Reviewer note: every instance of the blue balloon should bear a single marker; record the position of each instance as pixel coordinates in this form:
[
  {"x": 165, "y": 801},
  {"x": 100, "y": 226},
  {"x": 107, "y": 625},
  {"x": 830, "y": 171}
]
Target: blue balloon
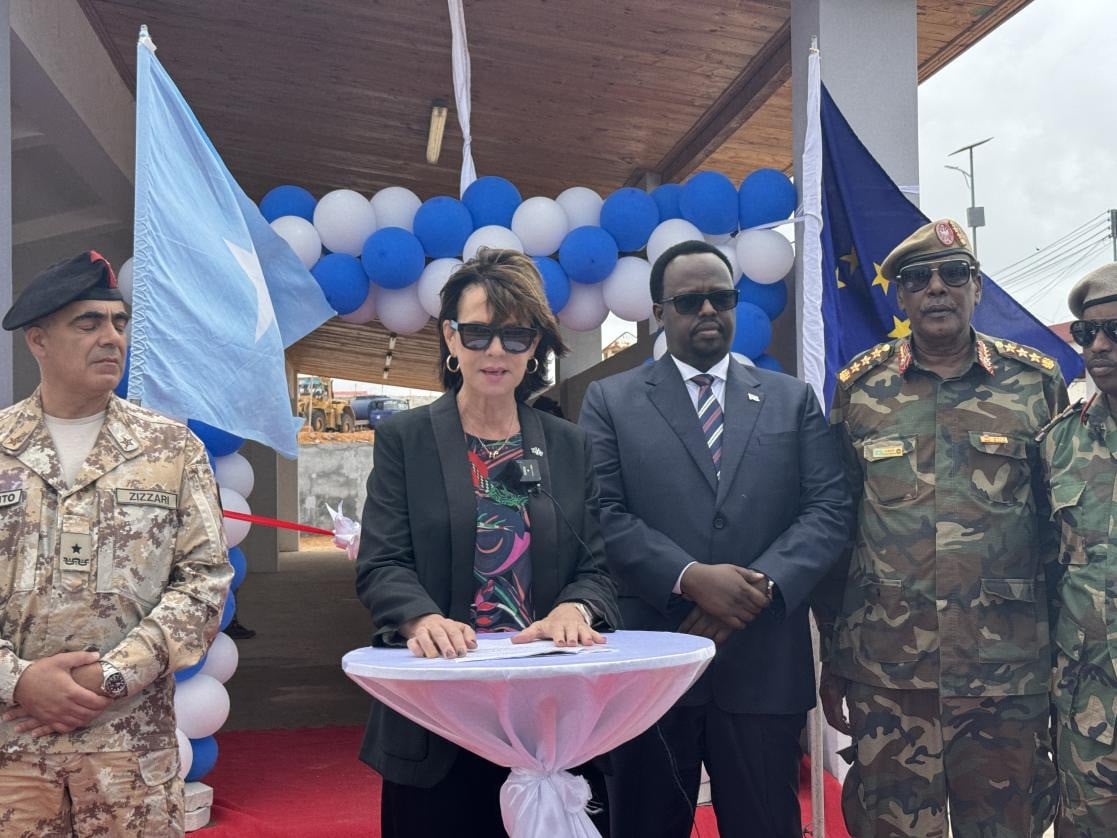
[
  {"x": 767, "y": 362},
  {"x": 771, "y": 298},
  {"x": 219, "y": 443},
  {"x": 342, "y": 280},
  {"x": 288, "y": 200},
  {"x": 442, "y": 225},
  {"x": 629, "y": 215},
  {"x": 393, "y": 258},
  {"x": 230, "y": 610},
  {"x": 666, "y": 199},
  {"x": 709, "y": 202},
  {"x": 588, "y": 254},
  {"x": 556, "y": 284},
  {"x": 240, "y": 567},
  {"x": 492, "y": 200},
  {"x": 205, "y": 757},
  {"x": 191, "y": 671},
  {"x": 121, "y": 388},
  {"x": 753, "y": 332},
  {"x": 765, "y": 196}
]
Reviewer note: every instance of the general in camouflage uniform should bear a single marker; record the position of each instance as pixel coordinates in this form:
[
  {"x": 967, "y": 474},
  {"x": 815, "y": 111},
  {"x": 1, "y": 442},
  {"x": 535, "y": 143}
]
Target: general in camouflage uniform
[
  {"x": 935, "y": 627},
  {"x": 110, "y": 579},
  {"x": 1080, "y": 452}
]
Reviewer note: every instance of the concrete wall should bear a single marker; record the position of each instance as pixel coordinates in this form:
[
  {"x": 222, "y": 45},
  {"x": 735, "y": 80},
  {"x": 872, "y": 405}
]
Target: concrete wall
[{"x": 330, "y": 473}]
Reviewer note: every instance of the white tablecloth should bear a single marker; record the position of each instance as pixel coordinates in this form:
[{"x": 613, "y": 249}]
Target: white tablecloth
[{"x": 539, "y": 716}]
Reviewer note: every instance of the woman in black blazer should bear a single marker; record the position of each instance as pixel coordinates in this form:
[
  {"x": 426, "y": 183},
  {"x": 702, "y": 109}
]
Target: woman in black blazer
[{"x": 453, "y": 541}]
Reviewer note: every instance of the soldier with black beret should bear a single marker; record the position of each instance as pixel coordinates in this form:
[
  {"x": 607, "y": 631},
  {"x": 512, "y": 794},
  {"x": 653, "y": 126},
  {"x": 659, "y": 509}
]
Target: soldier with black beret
[{"x": 113, "y": 574}]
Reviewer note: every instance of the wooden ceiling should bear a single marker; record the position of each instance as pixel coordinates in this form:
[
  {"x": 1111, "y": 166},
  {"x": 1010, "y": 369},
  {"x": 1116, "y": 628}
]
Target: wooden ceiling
[{"x": 334, "y": 93}]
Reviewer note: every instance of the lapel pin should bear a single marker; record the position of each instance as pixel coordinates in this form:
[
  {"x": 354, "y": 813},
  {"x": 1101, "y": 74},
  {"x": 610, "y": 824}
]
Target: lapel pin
[
  {"x": 537, "y": 451},
  {"x": 753, "y": 397}
]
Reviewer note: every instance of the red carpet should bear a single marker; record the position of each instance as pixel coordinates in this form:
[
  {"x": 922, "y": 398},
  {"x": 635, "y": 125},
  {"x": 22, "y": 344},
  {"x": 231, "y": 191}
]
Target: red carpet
[{"x": 308, "y": 783}]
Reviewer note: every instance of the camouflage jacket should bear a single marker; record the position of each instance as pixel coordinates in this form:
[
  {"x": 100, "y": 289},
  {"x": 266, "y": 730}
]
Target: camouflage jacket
[
  {"x": 129, "y": 561},
  {"x": 944, "y": 585},
  {"x": 1079, "y": 452}
]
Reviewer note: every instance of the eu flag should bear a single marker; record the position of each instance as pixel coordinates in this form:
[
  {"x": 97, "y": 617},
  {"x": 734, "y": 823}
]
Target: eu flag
[
  {"x": 866, "y": 215},
  {"x": 217, "y": 294}
]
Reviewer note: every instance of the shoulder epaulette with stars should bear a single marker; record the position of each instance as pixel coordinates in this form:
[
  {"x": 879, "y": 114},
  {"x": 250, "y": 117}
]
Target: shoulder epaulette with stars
[
  {"x": 1026, "y": 354},
  {"x": 864, "y": 362},
  {"x": 1077, "y": 407}
]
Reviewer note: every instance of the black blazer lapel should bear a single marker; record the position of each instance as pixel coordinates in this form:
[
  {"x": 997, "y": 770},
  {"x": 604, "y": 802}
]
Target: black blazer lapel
[
  {"x": 668, "y": 392},
  {"x": 461, "y": 502},
  {"x": 545, "y": 554},
  {"x": 744, "y": 399}
]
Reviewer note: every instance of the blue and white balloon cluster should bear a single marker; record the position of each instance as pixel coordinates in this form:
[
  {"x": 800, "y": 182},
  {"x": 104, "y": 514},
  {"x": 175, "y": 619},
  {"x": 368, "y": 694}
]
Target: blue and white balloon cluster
[
  {"x": 201, "y": 701},
  {"x": 389, "y": 256}
]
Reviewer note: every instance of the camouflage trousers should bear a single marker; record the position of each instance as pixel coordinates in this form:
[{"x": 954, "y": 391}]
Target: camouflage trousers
[
  {"x": 916, "y": 752},
  {"x": 122, "y": 793},
  {"x": 1087, "y": 786}
]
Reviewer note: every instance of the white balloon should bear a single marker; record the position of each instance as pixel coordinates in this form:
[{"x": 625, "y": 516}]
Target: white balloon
[
  {"x": 430, "y": 283},
  {"x": 491, "y": 235},
  {"x": 201, "y": 706},
  {"x": 586, "y": 309},
  {"x": 367, "y": 309},
  {"x": 124, "y": 278},
  {"x": 581, "y": 205},
  {"x": 235, "y": 472},
  {"x": 541, "y": 224},
  {"x": 302, "y": 236},
  {"x": 764, "y": 256},
  {"x": 395, "y": 206},
  {"x": 344, "y": 219},
  {"x": 626, "y": 290},
  {"x": 730, "y": 252},
  {"x": 744, "y": 359},
  {"x": 399, "y": 309},
  {"x": 718, "y": 238},
  {"x": 660, "y": 346},
  {"x": 185, "y": 754},
  {"x": 235, "y": 531},
  {"x": 221, "y": 659},
  {"x": 671, "y": 232}
]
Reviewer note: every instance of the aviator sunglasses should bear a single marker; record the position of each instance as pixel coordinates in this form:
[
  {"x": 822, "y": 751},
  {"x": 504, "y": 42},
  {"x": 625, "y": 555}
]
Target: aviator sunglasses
[
  {"x": 691, "y": 303},
  {"x": 953, "y": 272},
  {"x": 1084, "y": 331},
  {"x": 478, "y": 336}
]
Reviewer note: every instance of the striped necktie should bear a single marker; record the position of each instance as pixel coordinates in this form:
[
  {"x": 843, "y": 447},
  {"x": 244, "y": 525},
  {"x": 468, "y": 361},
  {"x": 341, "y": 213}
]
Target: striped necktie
[{"x": 709, "y": 417}]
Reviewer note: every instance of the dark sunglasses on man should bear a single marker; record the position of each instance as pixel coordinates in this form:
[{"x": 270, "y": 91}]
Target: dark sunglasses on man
[
  {"x": 692, "y": 303},
  {"x": 1084, "y": 331},
  {"x": 478, "y": 336},
  {"x": 953, "y": 272}
]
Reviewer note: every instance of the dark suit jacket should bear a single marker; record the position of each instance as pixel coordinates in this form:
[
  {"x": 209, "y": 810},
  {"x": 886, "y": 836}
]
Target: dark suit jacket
[
  {"x": 782, "y": 507},
  {"x": 416, "y": 552}
]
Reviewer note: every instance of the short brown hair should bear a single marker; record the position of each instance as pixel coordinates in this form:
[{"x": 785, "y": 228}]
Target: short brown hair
[{"x": 514, "y": 290}]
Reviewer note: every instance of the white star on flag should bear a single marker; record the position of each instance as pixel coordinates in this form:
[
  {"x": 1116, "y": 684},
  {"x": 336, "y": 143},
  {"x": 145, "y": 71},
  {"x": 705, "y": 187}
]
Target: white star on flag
[{"x": 250, "y": 264}]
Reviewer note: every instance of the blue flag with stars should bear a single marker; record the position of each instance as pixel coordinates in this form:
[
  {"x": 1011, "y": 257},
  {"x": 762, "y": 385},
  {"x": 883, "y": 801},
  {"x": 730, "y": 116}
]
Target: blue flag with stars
[
  {"x": 217, "y": 294},
  {"x": 865, "y": 216}
]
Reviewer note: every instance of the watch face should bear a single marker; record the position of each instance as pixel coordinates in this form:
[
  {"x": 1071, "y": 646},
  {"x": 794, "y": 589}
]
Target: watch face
[{"x": 115, "y": 685}]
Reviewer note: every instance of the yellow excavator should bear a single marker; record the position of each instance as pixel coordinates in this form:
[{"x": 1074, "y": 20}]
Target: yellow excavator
[{"x": 317, "y": 405}]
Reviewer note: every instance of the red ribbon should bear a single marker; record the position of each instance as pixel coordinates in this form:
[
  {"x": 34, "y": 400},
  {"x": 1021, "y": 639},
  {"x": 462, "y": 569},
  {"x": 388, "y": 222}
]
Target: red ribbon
[{"x": 274, "y": 522}]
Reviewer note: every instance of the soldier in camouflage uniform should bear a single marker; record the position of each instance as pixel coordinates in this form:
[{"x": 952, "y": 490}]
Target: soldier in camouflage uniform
[
  {"x": 1079, "y": 450},
  {"x": 935, "y": 627},
  {"x": 112, "y": 576}
]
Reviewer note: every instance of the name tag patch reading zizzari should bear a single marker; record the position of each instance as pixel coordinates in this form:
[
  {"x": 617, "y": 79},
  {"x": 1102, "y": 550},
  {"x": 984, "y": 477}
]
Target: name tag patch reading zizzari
[{"x": 147, "y": 497}]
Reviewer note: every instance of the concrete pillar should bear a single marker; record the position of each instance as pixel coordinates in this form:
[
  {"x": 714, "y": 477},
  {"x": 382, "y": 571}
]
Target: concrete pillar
[
  {"x": 585, "y": 352},
  {"x": 6, "y": 371}
]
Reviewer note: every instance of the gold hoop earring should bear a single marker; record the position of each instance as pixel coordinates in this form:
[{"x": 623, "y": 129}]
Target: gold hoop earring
[
  {"x": 457, "y": 364},
  {"x": 532, "y": 370}
]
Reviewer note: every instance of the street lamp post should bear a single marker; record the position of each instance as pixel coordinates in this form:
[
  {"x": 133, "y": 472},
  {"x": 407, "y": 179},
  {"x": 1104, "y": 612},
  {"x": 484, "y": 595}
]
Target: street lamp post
[{"x": 975, "y": 215}]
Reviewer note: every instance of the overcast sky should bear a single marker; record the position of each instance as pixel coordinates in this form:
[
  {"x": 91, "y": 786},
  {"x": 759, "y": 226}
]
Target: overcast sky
[{"x": 1044, "y": 85}]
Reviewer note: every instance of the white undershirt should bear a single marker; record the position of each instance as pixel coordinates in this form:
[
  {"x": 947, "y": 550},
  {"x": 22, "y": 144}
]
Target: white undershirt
[{"x": 73, "y": 440}]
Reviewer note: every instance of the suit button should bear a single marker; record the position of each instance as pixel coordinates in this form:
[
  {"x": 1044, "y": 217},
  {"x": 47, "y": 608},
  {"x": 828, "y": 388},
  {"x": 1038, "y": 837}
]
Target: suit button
[{"x": 719, "y": 523}]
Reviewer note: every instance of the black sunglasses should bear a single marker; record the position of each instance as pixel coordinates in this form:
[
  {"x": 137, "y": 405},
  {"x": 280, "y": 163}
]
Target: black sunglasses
[
  {"x": 953, "y": 272},
  {"x": 478, "y": 336},
  {"x": 692, "y": 303},
  {"x": 1084, "y": 331}
]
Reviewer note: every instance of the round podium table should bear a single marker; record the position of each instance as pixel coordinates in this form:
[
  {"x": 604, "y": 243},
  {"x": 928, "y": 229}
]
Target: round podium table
[{"x": 540, "y": 715}]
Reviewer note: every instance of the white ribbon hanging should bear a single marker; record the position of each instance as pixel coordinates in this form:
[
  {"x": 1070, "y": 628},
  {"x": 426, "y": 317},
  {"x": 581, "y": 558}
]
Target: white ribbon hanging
[{"x": 459, "y": 53}]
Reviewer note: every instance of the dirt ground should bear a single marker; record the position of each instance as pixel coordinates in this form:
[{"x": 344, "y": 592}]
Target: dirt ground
[
  {"x": 308, "y": 542},
  {"x": 308, "y": 437}
]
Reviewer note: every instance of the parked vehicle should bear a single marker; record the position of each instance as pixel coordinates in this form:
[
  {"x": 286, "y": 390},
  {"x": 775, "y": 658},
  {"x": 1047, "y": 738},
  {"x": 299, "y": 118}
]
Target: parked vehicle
[
  {"x": 322, "y": 412},
  {"x": 370, "y": 411}
]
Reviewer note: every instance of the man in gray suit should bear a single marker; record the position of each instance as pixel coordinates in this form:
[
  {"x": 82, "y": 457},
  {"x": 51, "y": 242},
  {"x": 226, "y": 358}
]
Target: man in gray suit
[{"x": 722, "y": 504}]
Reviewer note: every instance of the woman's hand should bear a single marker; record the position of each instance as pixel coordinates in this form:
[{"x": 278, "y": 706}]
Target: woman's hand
[
  {"x": 565, "y": 625},
  {"x": 433, "y": 635}
]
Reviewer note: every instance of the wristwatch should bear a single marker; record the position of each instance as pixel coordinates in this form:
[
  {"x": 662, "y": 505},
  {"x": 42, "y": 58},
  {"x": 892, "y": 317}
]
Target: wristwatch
[{"x": 112, "y": 682}]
